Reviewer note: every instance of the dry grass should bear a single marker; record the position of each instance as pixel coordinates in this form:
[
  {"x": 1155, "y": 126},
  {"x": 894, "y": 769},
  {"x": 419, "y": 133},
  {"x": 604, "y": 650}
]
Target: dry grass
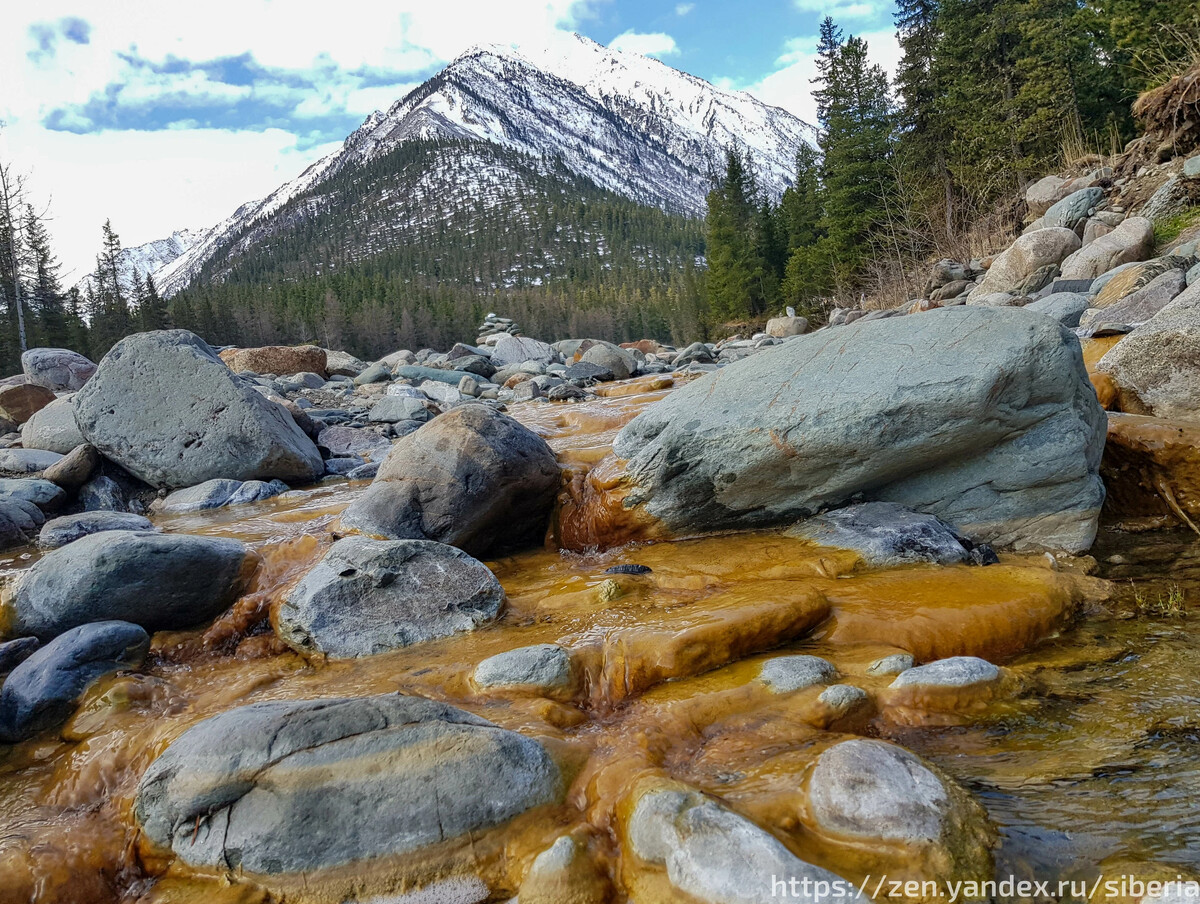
[{"x": 1172, "y": 604}]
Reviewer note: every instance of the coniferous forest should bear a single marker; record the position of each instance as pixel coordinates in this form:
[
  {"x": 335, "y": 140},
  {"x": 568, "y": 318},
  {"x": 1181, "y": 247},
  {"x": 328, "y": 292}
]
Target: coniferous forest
[{"x": 989, "y": 95}]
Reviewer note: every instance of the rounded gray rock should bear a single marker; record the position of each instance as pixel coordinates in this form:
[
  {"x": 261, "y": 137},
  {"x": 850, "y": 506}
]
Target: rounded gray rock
[
  {"x": 984, "y": 417},
  {"x": 169, "y": 411},
  {"x": 871, "y": 789},
  {"x": 371, "y": 596},
  {"x": 885, "y": 534},
  {"x": 785, "y": 674},
  {"x": 57, "y": 369},
  {"x": 544, "y": 666},
  {"x": 289, "y": 787},
  {"x": 158, "y": 581},
  {"x": 53, "y": 428},
  {"x": 473, "y": 478},
  {"x": 954, "y": 671},
  {"x": 42, "y": 691},
  {"x": 68, "y": 528}
]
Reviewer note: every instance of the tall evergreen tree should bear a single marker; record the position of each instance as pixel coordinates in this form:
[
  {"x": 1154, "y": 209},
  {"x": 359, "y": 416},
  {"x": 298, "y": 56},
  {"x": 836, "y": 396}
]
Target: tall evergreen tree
[{"x": 43, "y": 280}]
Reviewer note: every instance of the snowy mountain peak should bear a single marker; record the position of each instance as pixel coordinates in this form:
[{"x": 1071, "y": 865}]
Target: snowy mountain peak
[{"x": 626, "y": 122}]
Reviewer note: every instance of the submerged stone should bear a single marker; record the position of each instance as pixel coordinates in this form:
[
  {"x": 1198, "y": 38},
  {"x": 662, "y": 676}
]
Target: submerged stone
[
  {"x": 785, "y": 674},
  {"x": 885, "y": 534}
]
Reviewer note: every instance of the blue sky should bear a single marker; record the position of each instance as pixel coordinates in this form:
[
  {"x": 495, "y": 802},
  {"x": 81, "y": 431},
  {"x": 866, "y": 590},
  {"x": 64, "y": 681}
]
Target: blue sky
[{"x": 166, "y": 116}]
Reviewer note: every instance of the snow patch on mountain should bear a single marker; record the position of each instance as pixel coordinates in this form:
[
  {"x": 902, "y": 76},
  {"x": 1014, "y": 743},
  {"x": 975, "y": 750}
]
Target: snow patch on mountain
[
  {"x": 148, "y": 259},
  {"x": 629, "y": 123}
]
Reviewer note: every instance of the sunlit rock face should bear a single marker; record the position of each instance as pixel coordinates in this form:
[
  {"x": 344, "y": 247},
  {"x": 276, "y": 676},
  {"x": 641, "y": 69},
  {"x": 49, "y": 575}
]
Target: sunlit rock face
[{"x": 983, "y": 417}]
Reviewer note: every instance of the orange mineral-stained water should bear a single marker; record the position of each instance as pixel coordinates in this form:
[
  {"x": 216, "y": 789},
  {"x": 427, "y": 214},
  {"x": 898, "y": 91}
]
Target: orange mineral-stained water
[{"x": 1085, "y": 753}]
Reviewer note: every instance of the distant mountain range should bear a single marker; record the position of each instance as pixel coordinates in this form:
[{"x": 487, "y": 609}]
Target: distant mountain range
[{"x": 498, "y": 130}]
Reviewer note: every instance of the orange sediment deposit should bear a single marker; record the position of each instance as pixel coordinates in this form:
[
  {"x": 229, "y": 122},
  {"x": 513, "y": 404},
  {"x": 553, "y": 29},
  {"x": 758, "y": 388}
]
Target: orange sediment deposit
[{"x": 1151, "y": 469}]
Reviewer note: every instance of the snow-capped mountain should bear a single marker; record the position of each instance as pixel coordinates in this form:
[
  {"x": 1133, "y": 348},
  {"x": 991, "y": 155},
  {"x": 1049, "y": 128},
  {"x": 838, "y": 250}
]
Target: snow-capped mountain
[
  {"x": 628, "y": 123},
  {"x": 148, "y": 259}
]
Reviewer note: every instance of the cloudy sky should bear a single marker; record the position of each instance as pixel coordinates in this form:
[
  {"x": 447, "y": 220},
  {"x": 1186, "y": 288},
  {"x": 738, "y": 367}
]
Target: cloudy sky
[{"x": 164, "y": 116}]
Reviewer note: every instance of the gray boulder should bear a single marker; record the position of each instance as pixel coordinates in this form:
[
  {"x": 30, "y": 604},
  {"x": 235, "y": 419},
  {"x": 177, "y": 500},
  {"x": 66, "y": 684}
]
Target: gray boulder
[
  {"x": 785, "y": 674},
  {"x": 1073, "y": 209},
  {"x": 158, "y": 581},
  {"x": 1157, "y": 366},
  {"x": 44, "y": 494},
  {"x": 717, "y": 856},
  {"x": 372, "y": 596},
  {"x": 167, "y": 409},
  {"x": 42, "y": 691},
  {"x": 1065, "y": 307},
  {"x": 361, "y": 441},
  {"x": 374, "y": 373},
  {"x": 472, "y": 478},
  {"x": 891, "y": 665},
  {"x": 1132, "y": 241},
  {"x": 217, "y": 493},
  {"x": 57, "y": 369},
  {"x": 620, "y": 362},
  {"x": 14, "y": 652},
  {"x": 26, "y": 461},
  {"x": 519, "y": 349},
  {"x": 877, "y": 793},
  {"x": 885, "y": 534},
  {"x": 102, "y": 494},
  {"x": 984, "y": 417},
  {"x": 53, "y": 428},
  {"x": 290, "y": 787},
  {"x": 543, "y": 667},
  {"x": 392, "y": 409},
  {"x": 1027, "y": 255},
  {"x": 68, "y": 528},
  {"x": 955, "y": 671},
  {"x": 782, "y": 327},
  {"x": 20, "y": 521}
]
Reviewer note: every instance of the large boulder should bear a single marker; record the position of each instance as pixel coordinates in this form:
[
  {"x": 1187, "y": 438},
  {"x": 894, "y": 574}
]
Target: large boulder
[
  {"x": 984, "y": 417},
  {"x": 289, "y": 787},
  {"x": 164, "y": 407},
  {"x": 42, "y": 691},
  {"x": 620, "y": 362},
  {"x": 280, "y": 360},
  {"x": 519, "y": 349},
  {"x": 53, "y": 428},
  {"x": 371, "y": 596},
  {"x": 472, "y": 478},
  {"x": 790, "y": 325},
  {"x": 21, "y": 401},
  {"x": 158, "y": 581},
  {"x": 873, "y": 793},
  {"x": 1157, "y": 366},
  {"x": 20, "y": 521},
  {"x": 1027, "y": 255},
  {"x": 1132, "y": 241},
  {"x": 1045, "y": 193},
  {"x": 57, "y": 369}
]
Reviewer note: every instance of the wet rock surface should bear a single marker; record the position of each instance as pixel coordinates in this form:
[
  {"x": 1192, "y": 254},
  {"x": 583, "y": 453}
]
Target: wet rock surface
[
  {"x": 41, "y": 692},
  {"x": 289, "y": 787},
  {"x": 371, "y": 596},
  {"x": 471, "y": 478},
  {"x": 154, "y": 580},
  {"x": 1011, "y": 398}
]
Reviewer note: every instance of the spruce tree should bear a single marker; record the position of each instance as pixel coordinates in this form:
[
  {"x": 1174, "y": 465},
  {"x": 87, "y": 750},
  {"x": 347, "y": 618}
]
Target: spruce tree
[{"x": 45, "y": 289}]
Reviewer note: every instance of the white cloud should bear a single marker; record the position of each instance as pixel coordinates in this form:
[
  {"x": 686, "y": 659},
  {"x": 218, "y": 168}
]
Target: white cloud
[
  {"x": 790, "y": 85},
  {"x": 682, "y": 9},
  {"x": 844, "y": 9},
  {"x": 655, "y": 44},
  {"x": 182, "y": 175}
]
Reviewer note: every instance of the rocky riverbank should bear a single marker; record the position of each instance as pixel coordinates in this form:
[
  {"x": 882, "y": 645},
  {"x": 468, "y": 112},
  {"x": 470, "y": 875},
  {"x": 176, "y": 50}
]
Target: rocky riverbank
[{"x": 586, "y": 622}]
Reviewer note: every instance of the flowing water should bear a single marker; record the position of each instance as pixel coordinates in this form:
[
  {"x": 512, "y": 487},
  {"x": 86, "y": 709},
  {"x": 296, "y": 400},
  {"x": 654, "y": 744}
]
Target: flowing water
[{"x": 1087, "y": 759}]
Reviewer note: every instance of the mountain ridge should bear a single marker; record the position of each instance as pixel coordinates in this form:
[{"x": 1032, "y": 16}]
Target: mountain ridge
[{"x": 628, "y": 123}]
